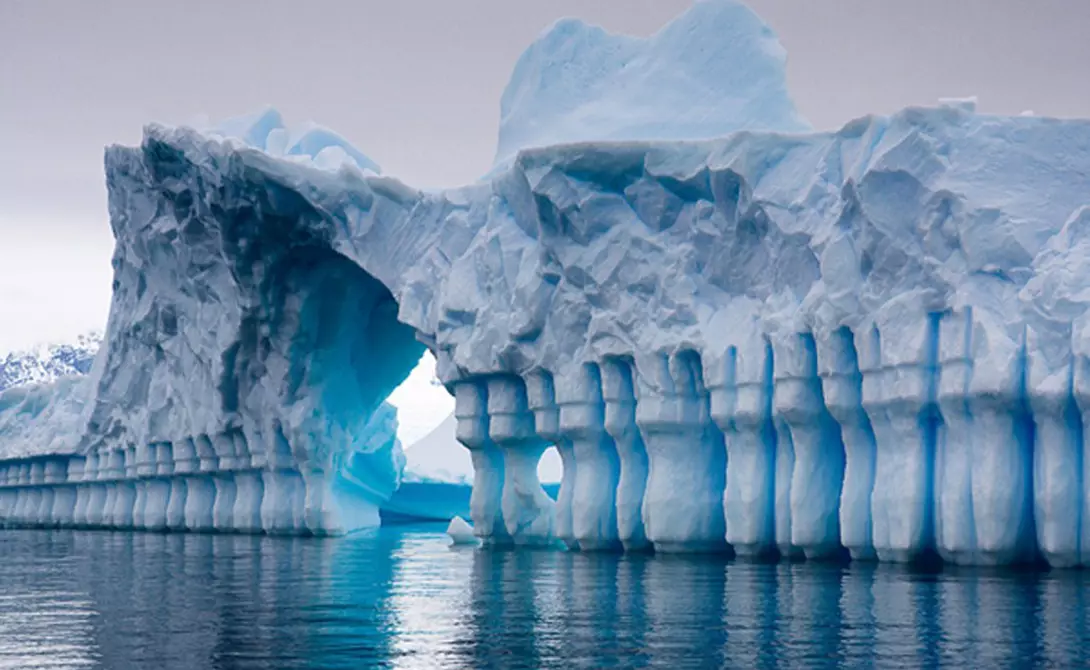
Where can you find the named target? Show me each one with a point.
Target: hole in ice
(426, 428)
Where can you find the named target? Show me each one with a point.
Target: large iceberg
(869, 341)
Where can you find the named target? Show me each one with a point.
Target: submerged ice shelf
(869, 342)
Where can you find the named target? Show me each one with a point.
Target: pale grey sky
(416, 85)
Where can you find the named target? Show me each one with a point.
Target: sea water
(401, 598)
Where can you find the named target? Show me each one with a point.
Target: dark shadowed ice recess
(400, 598)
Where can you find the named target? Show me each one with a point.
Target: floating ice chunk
(460, 532)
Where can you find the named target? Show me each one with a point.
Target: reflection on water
(400, 598)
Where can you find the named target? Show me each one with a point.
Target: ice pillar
(485, 503)
(541, 397)
(63, 476)
(223, 479)
(842, 386)
(810, 461)
(597, 469)
(283, 503)
(898, 365)
(199, 493)
(157, 485)
(683, 504)
(741, 405)
(36, 477)
(620, 422)
(983, 463)
(96, 470)
(1058, 458)
(248, 485)
(527, 510)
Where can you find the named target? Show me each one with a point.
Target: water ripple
(400, 598)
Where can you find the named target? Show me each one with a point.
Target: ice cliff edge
(871, 340)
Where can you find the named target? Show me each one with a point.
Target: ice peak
(716, 69)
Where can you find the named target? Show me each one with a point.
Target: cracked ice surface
(871, 339)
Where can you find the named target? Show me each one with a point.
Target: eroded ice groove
(527, 510)
(1058, 455)
(597, 466)
(842, 388)
(741, 390)
(486, 499)
(541, 398)
(984, 462)
(619, 396)
(682, 507)
(898, 364)
(810, 468)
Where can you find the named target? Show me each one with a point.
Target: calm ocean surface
(401, 598)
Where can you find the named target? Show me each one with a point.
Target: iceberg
(870, 341)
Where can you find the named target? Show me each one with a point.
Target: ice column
(810, 467)
(842, 386)
(114, 462)
(899, 388)
(248, 486)
(527, 510)
(18, 503)
(125, 499)
(62, 475)
(190, 457)
(6, 498)
(485, 503)
(96, 469)
(157, 485)
(542, 402)
(683, 505)
(283, 502)
(183, 455)
(597, 469)
(34, 493)
(1058, 458)
(145, 468)
(983, 463)
(741, 405)
(55, 473)
(620, 422)
(223, 510)
(318, 516)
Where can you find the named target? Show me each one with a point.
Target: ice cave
(741, 334)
